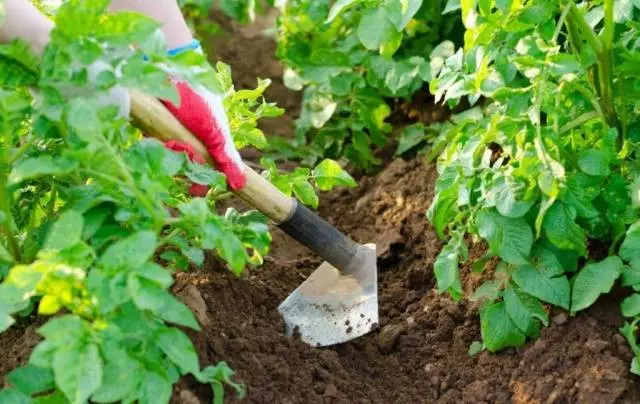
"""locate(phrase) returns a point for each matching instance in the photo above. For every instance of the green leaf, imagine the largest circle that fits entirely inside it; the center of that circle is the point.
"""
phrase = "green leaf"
(31, 379)
(509, 238)
(475, 348)
(554, 290)
(78, 371)
(14, 396)
(125, 27)
(120, 377)
(305, 193)
(329, 174)
(497, 329)
(339, 7)
(205, 175)
(154, 272)
(593, 280)
(131, 252)
(217, 375)
(5, 255)
(553, 260)
(622, 11)
(631, 275)
(375, 29)
(155, 388)
(561, 229)
(410, 137)
(508, 193)
(631, 305)
(446, 267)
(63, 331)
(18, 65)
(147, 295)
(443, 209)
(452, 5)
(194, 254)
(594, 162)
(6, 320)
(83, 118)
(629, 332)
(400, 12)
(232, 250)
(524, 309)
(178, 347)
(635, 366)
(34, 167)
(66, 231)
(77, 18)
(630, 248)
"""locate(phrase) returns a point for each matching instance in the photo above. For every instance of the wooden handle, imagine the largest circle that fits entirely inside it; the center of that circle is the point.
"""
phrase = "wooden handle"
(150, 116)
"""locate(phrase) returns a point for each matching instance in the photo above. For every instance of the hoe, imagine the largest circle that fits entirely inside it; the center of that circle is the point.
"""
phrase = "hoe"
(339, 300)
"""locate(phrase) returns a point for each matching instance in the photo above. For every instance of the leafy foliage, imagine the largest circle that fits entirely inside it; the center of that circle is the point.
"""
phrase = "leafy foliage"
(348, 56)
(545, 162)
(88, 207)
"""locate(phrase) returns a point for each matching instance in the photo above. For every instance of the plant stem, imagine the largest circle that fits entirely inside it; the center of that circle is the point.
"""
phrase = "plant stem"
(602, 75)
(7, 226)
(21, 150)
(586, 117)
(589, 36)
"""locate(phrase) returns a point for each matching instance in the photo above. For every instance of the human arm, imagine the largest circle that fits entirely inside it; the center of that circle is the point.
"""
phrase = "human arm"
(23, 20)
(200, 110)
(166, 12)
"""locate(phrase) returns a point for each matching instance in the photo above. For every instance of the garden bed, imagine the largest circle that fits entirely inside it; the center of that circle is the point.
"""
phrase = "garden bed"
(576, 359)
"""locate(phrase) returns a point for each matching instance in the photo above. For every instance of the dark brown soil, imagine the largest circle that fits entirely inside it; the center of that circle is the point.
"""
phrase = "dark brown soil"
(577, 359)
(423, 357)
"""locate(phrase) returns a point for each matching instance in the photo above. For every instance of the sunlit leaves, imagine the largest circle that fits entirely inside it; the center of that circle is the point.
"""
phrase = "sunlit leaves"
(510, 239)
(446, 266)
(78, 371)
(593, 280)
(340, 6)
(497, 329)
(551, 289)
(329, 174)
(35, 167)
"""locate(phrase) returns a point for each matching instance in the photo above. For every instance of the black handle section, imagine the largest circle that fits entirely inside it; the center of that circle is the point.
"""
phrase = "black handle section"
(325, 240)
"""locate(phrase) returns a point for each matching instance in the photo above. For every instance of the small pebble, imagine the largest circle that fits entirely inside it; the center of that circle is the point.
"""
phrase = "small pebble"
(388, 337)
(596, 346)
(560, 318)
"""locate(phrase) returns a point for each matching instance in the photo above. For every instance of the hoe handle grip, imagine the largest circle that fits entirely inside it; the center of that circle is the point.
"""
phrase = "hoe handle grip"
(150, 116)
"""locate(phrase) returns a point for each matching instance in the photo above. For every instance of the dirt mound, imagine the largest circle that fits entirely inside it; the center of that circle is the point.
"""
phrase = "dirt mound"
(427, 336)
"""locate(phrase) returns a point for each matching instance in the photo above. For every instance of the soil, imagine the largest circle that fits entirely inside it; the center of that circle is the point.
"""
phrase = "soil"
(419, 353)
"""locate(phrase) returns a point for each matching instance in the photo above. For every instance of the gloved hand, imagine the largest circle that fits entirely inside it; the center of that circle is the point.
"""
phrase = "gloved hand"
(202, 112)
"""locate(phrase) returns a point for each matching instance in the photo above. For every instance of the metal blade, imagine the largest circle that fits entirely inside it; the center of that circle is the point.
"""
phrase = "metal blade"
(332, 307)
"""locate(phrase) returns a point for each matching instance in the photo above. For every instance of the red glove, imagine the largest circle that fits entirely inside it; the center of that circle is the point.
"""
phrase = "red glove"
(202, 112)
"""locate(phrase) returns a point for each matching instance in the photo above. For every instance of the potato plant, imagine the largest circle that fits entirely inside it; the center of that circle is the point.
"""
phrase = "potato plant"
(350, 56)
(544, 168)
(95, 218)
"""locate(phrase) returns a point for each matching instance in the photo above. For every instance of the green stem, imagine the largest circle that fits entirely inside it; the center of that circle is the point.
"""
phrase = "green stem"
(602, 74)
(21, 150)
(8, 225)
(586, 117)
(51, 206)
(581, 24)
(130, 182)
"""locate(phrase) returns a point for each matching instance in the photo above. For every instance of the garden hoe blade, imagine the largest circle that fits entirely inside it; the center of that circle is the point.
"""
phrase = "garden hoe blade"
(332, 306)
